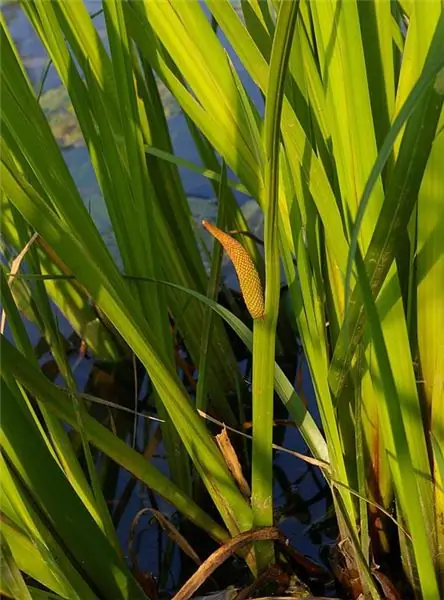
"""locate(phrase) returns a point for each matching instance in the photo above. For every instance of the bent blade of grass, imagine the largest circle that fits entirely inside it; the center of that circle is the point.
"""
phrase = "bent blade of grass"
(12, 582)
(142, 233)
(207, 73)
(223, 138)
(173, 234)
(57, 441)
(400, 198)
(53, 337)
(92, 263)
(307, 299)
(58, 435)
(303, 419)
(187, 164)
(422, 27)
(429, 263)
(208, 44)
(245, 47)
(181, 260)
(378, 32)
(439, 460)
(56, 401)
(108, 291)
(422, 85)
(285, 390)
(410, 407)
(30, 130)
(339, 42)
(258, 25)
(29, 559)
(430, 317)
(57, 571)
(254, 122)
(176, 249)
(348, 37)
(338, 38)
(174, 206)
(65, 513)
(397, 447)
(70, 299)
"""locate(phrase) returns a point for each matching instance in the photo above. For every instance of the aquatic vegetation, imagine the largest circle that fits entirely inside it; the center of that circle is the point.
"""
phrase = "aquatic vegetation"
(345, 163)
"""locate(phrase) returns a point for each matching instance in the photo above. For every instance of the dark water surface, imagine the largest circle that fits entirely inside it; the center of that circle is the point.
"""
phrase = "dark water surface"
(297, 487)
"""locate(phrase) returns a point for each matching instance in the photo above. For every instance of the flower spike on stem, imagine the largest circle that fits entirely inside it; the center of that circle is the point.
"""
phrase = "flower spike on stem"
(249, 280)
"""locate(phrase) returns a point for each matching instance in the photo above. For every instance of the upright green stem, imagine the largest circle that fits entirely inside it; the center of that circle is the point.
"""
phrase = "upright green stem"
(265, 329)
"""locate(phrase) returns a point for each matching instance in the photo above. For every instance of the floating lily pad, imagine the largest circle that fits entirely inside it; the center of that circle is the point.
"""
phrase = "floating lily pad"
(4, 3)
(59, 111)
(62, 119)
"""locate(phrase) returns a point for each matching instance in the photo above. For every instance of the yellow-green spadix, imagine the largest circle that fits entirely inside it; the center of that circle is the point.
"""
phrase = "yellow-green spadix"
(249, 280)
